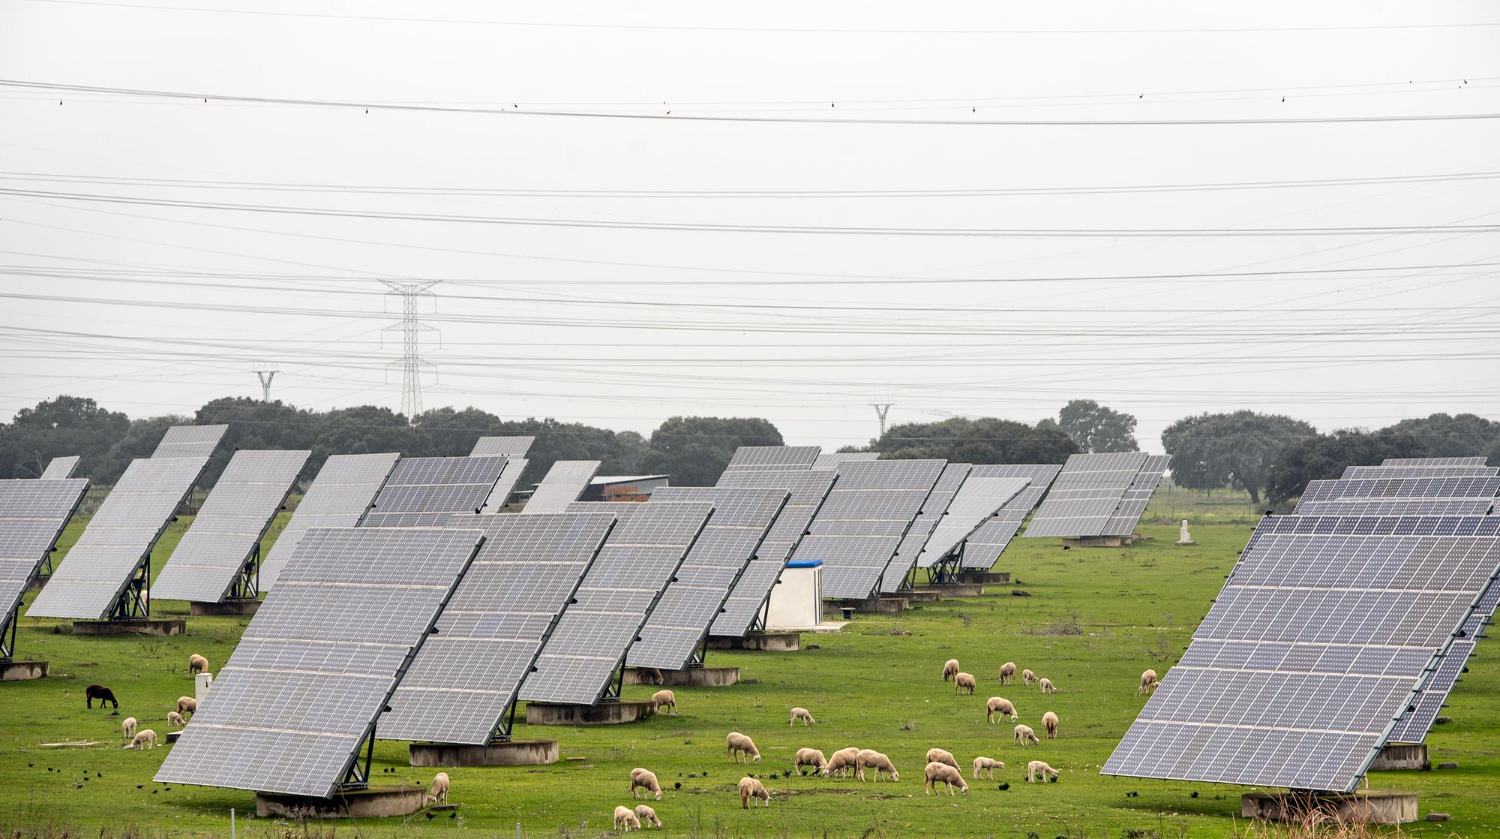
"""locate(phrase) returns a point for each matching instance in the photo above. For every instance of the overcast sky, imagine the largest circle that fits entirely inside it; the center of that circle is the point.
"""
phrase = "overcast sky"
(155, 250)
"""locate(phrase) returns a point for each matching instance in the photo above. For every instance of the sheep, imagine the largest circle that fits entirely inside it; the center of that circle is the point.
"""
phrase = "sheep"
(941, 773)
(101, 693)
(871, 759)
(1049, 722)
(1047, 686)
(751, 788)
(647, 815)
(187, 706)
(739, 746)
(625, 819)
(174, 718)
(809, 757)
(961, 681)
(1037, 767)
(143, 739)
(999, 705)
(1027, 677)
(941, 756)
(664, 699)
(1025, 735)
(644, 779)
(842, 762)
(802, 714)
(950, 669)
(438, 794)
(650, 676)
(128, 727)
(197, 664)
(1148, 682)
(988, 765)
(1007, 672)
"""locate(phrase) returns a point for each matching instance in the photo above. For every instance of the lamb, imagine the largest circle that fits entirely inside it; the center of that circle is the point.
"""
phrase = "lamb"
(810, 757)
(644, 779)
(1025, 735)
(941, 756)
(174, 718)
(663, 699)
(143, 739)
(961, 681)
(950, 669)
(1027, 677)
(101, 693)
(1037, 767)
(987, 765)
(197, 664)
(1046, 684)
(842, 762)
(1007, 672)
(647, 815)
(1049, 721)
(187, 706)
(439, 792)
(871, 759)
(625, 819)
(941, 773)
(128, 727)
(751, 788)
(1148, 682)
(739, 746)
(802, 714)
(999, 705)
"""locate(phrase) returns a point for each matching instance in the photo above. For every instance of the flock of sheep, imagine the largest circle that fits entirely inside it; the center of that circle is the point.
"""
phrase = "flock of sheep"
(145, 738)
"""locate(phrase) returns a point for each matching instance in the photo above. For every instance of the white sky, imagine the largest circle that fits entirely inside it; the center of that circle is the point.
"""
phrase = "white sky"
(625, 327)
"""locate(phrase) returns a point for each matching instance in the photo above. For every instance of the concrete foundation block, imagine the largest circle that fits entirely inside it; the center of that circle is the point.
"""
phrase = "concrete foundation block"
(147, 626)
(698, 677)
(771, 642)
(995, 578)
(1370, 807)
(510, 753)
(376, 802)
(605, 713)
(1100, 542)
(20, 671)
(921, 596)
(1401, 756)
(883, 605)
(228, 607)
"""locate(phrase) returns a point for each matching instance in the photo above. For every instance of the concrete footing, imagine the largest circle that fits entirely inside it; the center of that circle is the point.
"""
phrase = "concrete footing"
(952, 589)
(375, 802)
(1370, 807)
(605, 713)
(698, 677)
(1401, 756)
(510, 753)
(773, 642)
(994, 578)
(20, 671)
(147, 626)
(884, 605)
(1100, 542)
(920, 596)
(228, 607)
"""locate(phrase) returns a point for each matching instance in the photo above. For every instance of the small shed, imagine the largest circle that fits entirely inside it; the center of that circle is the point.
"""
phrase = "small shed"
(797, 600)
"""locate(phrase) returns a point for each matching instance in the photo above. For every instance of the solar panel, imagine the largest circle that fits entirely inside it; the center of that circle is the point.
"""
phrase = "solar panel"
(503, 446)
(578, 662)
(982, 549)
(426, 491)
(831, 460)
(509, 477)
(671, 637)
(893, 579)
(1133, 503)
(209, 562)
(104, 562)
(1312, 650)
(190, 441)
(462, 685)
(1086, 494)
(1460, 495)
(344, 489)
(764, 458)
(744, 609)
(32, 516)
(1420, 716)
(1420, 471)
(1433, 461)
(563, 483)
(59, 468)
(302, 692)
(977, 501)
(862, 522)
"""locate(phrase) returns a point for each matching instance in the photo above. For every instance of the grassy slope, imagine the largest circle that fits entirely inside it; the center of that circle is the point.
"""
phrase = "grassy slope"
(1129, 609)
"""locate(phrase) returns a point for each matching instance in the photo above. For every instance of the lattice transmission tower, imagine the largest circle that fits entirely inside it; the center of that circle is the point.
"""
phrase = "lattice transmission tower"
(411, 326)
(881, 409)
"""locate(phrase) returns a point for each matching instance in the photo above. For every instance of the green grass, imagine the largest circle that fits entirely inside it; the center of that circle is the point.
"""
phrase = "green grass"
(1095, 619)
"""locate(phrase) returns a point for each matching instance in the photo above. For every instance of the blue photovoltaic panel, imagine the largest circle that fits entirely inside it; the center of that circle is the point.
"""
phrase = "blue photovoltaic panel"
(1417, 722)
(1133, 502)
(427, 491)
(345, 488)
(60, 467)
(831, 460)
(1420, 471)
(764, 458)
(1428, 496)
(1434, 461)
(190, 441)
(504, 487)
(32, 516)
(1086, 494)
(933, 511)
(977, 501)
(503, 446)
(982, 549)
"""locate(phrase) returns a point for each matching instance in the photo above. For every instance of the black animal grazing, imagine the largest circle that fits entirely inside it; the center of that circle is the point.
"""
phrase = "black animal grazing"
(101, 693)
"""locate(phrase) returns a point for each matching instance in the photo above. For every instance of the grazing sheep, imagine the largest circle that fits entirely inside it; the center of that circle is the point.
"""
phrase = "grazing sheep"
(941, 756)
(1007, 672)
(988, 765)
(647, 815)
(962, 681)
(174, 718)
(1037, 767)
(438, 794)
(128, 727)
(625, 820)
(101, 693)
(1027, 677)
(663, 699)
(143, 739)
(1047, 686)
(810, 757)
(187, 706)
(197, 664)
(650, 676)
(844, 762)
(1148, 682)
(871, 759)
(802, 714)
(999, 705)
(941, 773)
(644, 779)
(738, 745)
(1049, 722)
(1025, 735)
(950, 669)
(751, 788)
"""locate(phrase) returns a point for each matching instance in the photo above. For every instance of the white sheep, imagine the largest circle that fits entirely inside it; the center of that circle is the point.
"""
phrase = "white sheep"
(625, 819)
(143, 739)
(644, 779)
(999, 705)
(963, 681)
(1037, 767)
(1027, 677)
(810, 757)
(187, 705)
(941, 773)
(802, 714)
(1025, 735)
(1148, 682)
(1007, 672)
(871, 759)
(751, 788)
(197, 664)
(663, 699)
(127, 727)
(941, 756)
(438, 794)
(987, 765)
(950, 669)
(1047, 686)
(844, 762)
(739, 746)
(1049, 722)
(174, 718)
(647, 815)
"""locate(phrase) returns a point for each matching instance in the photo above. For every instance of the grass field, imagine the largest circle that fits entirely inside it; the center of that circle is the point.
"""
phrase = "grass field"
(1094, 620)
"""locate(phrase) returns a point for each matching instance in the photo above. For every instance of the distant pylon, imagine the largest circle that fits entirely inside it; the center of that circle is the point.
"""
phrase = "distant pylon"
(881, 409)
(265, 377)
(411, 327)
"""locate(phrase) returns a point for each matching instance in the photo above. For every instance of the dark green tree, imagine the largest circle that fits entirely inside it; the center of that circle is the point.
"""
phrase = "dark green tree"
(60, 427)
(984, 440)
(1326, 455)
(1215, 450)
(446, 432)
(1460, 435)
(254, 424)
(1096, 428)
(139, 440)
(695, 450)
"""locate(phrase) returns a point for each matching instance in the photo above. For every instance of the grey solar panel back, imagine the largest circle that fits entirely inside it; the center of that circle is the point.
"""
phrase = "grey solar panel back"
(1455, 496)
(578, 662)
(894, 578)
(59, 468)
(983, 548)
(1316, 645)
(32, 517)
(209, 559)
(745, 607)
(462, 685)
(506, 485)
(340, 495)
(303, 691)
(561, 486)
(1086, 494)
(190, 441)
(978, 500)
(427, 491)
(1133, 503)
(503, 446)
(830, 460)
(104, 561)
(863, 521)
(772, 458)
(680, 622)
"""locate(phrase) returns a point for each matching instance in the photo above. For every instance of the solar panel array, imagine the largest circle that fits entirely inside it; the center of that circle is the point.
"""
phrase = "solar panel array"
(763, 458)
(578, 662)
(862, 522)
(464, 680)
(1086, 495)
(32, 516)
(692, 601)
(345, 488)
(831, 460)
(1454, 496)
(978, 500)
(1433, 694)
(1434, 461)
(317, 664)
(426, 491)
(742, 611)
(229, 526)
(561, 486)
(1133, 504)
(893, 579)
(190, 441)
(982, 549)
(503, 446)
(1419, 471)
(99, 566)
(1314, 647)
(59, 468)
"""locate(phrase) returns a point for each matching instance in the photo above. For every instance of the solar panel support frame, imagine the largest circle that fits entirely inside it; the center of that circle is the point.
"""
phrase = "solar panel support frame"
(12, 620)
